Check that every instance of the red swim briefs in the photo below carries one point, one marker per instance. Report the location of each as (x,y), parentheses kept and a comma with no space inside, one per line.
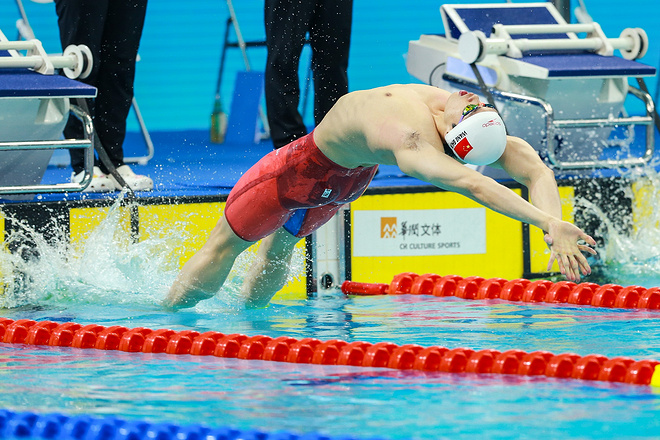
(296,187)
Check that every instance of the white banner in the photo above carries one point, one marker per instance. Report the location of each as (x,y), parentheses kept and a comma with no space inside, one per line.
(419,232)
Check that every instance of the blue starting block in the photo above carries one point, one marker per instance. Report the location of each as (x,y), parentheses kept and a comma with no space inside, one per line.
(243,121)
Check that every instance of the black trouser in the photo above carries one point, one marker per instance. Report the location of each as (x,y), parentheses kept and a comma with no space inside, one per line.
(287,23)
(112,30)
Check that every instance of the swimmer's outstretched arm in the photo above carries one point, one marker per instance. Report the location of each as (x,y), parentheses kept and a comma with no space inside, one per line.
(524,165)
(203,275)
(427,163)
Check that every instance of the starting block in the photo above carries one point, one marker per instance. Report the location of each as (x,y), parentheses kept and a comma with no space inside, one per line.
(562,93)
(243,124)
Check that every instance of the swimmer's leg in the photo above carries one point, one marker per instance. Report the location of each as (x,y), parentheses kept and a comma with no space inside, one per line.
(203,275)
(269,271)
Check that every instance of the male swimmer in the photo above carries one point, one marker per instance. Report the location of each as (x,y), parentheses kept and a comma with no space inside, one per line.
(427,132)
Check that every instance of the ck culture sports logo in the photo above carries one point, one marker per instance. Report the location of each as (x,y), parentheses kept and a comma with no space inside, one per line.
(388,227)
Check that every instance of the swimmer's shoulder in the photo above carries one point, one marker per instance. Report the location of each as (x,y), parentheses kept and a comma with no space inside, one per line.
(404,92)
(379,96)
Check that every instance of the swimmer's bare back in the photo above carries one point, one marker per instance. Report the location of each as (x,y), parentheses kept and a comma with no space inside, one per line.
(365,127)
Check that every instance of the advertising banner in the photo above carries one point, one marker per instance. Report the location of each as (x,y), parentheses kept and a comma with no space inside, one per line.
(419,232)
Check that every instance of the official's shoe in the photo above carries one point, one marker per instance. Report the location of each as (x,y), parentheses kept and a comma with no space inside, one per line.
(136,182)
(100,182)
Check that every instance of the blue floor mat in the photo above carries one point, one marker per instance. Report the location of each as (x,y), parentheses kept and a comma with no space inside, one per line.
(186,163)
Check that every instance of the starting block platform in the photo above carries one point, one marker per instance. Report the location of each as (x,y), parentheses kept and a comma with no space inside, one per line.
(562,93)
(35,105)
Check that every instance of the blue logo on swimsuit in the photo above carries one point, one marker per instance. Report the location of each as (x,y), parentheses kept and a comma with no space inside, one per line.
(326,193)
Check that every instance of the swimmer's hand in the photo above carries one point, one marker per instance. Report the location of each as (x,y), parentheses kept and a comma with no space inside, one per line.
(562,238)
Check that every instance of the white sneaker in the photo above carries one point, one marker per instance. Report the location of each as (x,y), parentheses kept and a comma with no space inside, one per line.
(100,182)
(137,182)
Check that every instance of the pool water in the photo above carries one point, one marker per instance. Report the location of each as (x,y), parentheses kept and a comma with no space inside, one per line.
(103,283)
(336,400)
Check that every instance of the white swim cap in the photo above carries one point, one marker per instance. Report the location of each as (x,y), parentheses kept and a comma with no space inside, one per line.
(479,139)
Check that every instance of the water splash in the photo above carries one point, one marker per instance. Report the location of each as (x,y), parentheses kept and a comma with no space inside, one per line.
(104,268)
(630,254)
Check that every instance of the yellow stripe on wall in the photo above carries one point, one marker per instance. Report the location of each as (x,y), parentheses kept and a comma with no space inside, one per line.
(539,252)
(183,228)
(83,222)
(646,199)
(192,223)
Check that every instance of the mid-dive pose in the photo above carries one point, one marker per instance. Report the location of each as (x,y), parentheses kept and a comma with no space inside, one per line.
(426,131)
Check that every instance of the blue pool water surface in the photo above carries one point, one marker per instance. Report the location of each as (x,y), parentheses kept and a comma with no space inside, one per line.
(109,284)
(334,400)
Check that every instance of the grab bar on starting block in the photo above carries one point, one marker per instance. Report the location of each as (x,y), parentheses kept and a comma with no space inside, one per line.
(76,60)
(552,125)
(473,46)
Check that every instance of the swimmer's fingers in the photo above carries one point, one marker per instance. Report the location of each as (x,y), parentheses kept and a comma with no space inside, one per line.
(582,260)
(548,240)
(560,262)
(589,246)
(563,263)
(585,268)
(572,267)
(585,248)
(588,239)
(569,266)
(553,257)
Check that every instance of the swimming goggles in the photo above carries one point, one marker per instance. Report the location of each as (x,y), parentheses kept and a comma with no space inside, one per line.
(473,107)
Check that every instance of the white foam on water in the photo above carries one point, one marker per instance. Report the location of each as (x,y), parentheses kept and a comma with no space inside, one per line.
(106,266)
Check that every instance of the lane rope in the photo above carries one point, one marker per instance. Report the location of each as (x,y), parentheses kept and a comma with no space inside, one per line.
(519,290)
(331,352)
(54,426)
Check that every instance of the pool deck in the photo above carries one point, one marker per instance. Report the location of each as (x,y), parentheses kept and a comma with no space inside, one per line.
(186,164)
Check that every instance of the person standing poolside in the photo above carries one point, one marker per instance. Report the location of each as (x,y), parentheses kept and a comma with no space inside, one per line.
(287,23)
(112,30)
(426,131)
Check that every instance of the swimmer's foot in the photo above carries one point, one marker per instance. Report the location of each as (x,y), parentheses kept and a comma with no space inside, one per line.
(180,298)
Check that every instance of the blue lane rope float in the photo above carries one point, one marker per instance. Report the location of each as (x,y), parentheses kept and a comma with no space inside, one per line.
(332,352)
(30,425)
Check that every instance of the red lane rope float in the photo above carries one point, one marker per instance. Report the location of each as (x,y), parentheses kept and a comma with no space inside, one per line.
(331,352)
(588,294)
